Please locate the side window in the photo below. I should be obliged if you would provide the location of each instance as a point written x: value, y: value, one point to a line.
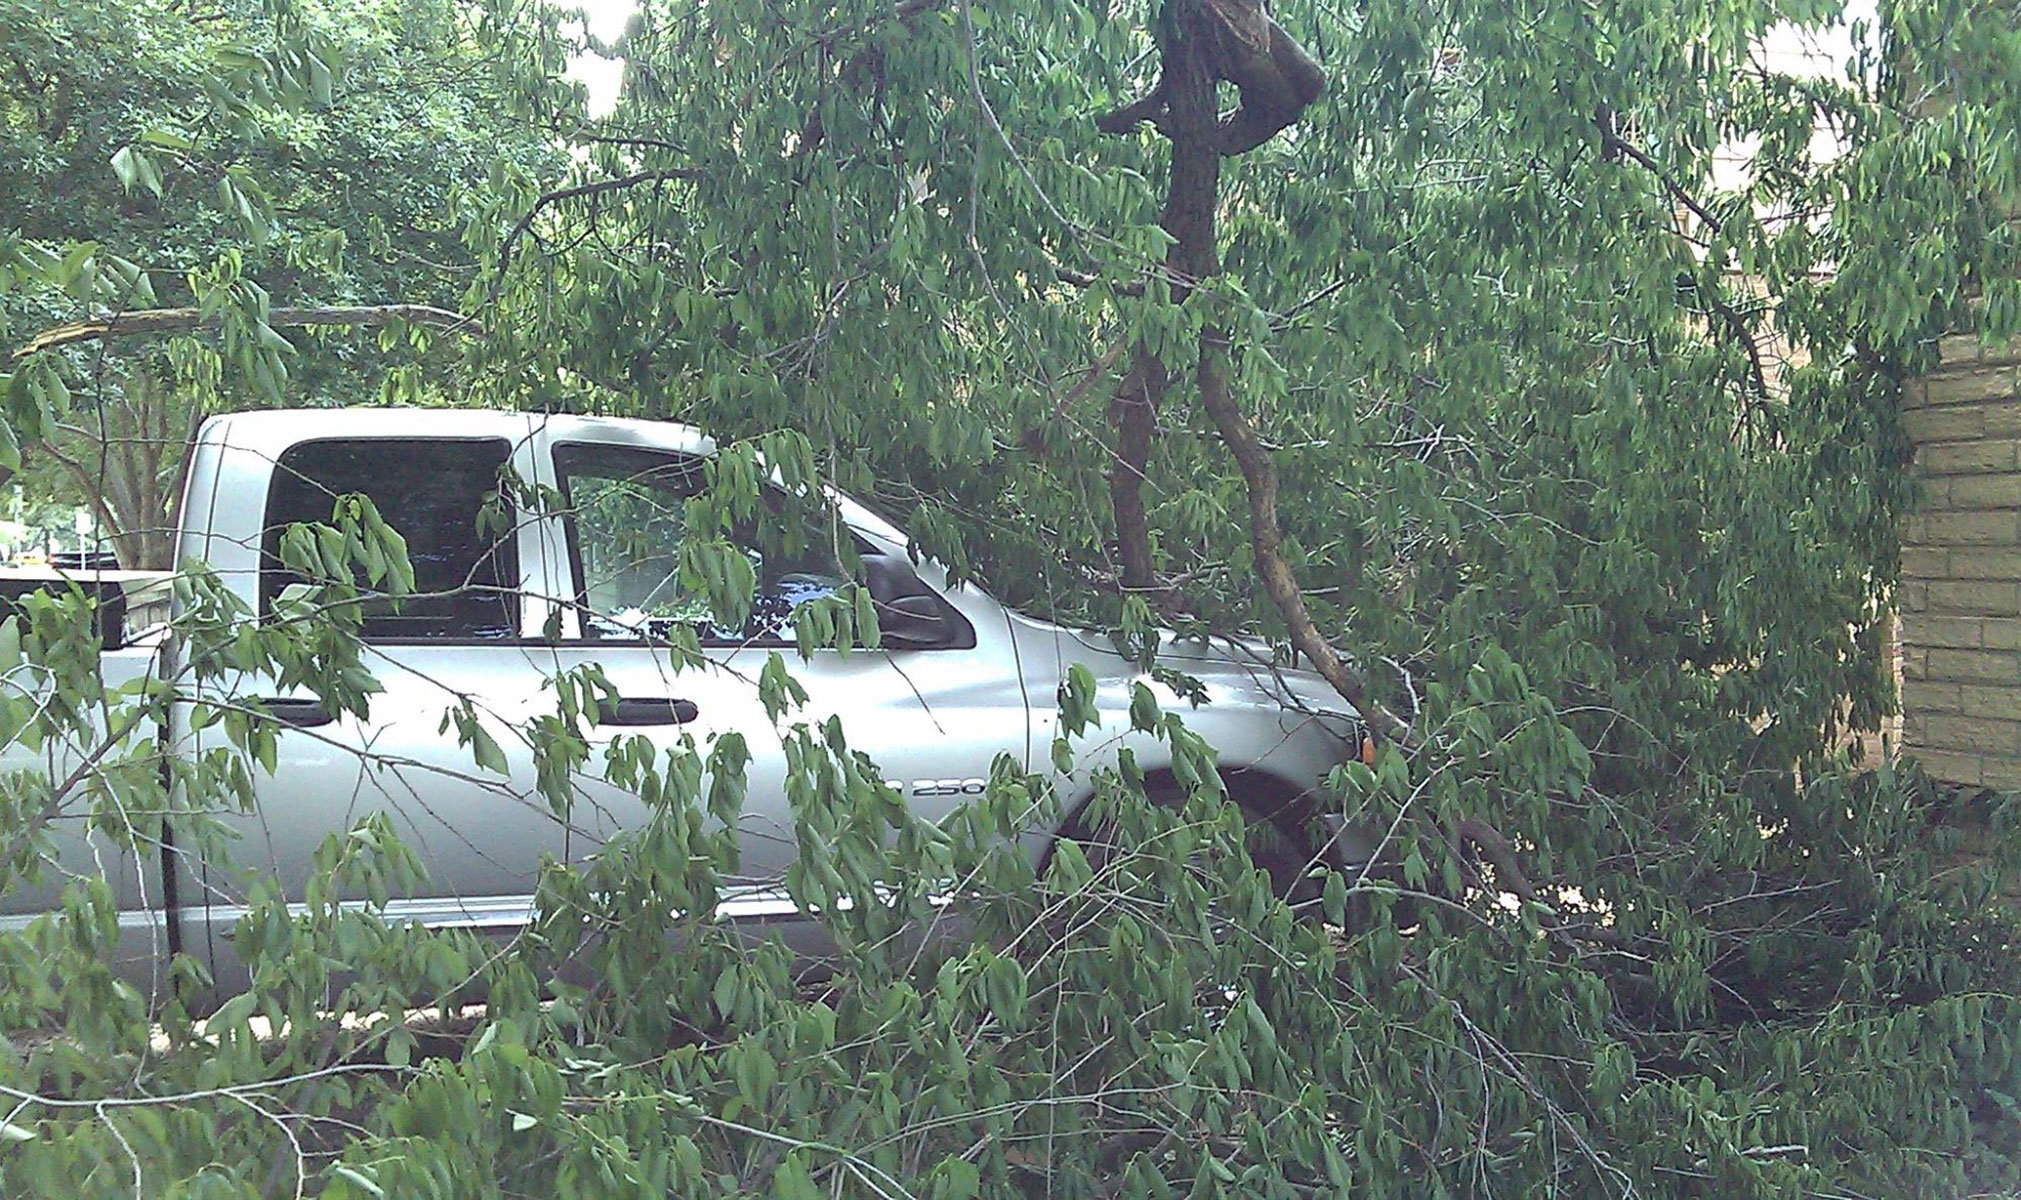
x: 626, y: 523
x: 443, y: 495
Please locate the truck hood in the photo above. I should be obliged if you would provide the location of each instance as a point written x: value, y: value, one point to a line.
x: 1246, y: 668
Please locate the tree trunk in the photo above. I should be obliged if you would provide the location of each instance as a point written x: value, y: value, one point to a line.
x: 1192, y: 124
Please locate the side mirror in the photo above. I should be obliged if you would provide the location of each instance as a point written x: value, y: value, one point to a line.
x: 909, y: 615
x: 911, y: 622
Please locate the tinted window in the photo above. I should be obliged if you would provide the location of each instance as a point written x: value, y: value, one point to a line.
x: 626, y: 523
x: 436, y: 492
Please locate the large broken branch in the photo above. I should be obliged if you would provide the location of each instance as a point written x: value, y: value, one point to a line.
x: 1210, y: 41
x: 1243, y: 44
x: 1206, y: 38
x: 1187, y: 86
x: 154, y: 321
x: 1266, y: 540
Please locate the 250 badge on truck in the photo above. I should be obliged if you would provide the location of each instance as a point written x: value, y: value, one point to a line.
x: 922, y: 788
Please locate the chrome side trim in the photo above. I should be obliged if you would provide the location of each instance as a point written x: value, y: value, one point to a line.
x: 745, y: 903
x: 749, y: 902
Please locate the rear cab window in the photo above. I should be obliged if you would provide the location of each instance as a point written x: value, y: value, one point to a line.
x: 445, y: 496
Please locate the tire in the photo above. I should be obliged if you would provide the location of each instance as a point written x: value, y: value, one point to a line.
x: 1280, y: 836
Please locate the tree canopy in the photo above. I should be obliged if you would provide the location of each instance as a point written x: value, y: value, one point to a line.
x: 241, y: 159
x: 1414, y: 338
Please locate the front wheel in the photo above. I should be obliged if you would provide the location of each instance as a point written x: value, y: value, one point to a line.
x: 1282, y: 834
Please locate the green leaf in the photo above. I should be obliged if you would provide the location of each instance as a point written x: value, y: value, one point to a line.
x: 956, y: 1179
x: 866, y: 619
x: 166, y: 139
x: 485, y: 750
x: 319, y: 79
x: 359, y: 1180
x: 724, y: 994
x: 778, y: 690
x: 793, y: 1181
x: 1143, y: 709
x: 135, y: 170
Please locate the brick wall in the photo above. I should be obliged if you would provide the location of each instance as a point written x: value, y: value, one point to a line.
x: 1960, y: 599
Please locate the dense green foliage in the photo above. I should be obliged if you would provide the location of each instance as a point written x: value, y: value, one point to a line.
x: 246, y: 160
x: 1622, y: 576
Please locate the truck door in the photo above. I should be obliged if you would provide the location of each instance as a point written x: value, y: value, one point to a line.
x: 462, y: 638
x: 79, y: 849
x: 932, y: 713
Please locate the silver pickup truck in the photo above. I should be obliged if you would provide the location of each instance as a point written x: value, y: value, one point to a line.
x: 960, y: 679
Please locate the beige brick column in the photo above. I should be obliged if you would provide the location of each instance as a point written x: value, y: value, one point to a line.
x: 1960, y: 597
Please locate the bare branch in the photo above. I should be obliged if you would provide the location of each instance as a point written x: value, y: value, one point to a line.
x: 579, y: 191
x: 1614, y: 147
x: 1082, y: 279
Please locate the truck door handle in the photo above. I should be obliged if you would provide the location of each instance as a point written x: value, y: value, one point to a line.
x: 298, y: 712
x: 646, y: 710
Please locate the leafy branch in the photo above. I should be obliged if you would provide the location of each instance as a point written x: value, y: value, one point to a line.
x: 156, y: 321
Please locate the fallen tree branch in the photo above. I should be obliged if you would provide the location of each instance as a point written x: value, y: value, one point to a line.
x: 1186, y: 99
x: 153, y: 321
x: 1266, y: 539
x: 1210, y: 35
x: 1489, y: 843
